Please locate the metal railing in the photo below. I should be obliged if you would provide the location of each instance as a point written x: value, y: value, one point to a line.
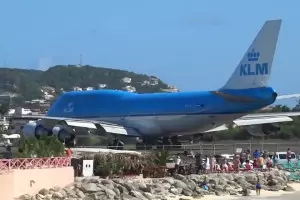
x: 34, y: 163
x: 211, y: 148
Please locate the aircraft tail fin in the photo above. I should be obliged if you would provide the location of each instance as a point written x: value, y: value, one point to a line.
x: 255, y: 67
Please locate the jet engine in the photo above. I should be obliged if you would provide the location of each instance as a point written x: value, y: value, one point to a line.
x: 64, y: 132
x: 34, y: 129
x: 263, y: 129
x: 269, y: 129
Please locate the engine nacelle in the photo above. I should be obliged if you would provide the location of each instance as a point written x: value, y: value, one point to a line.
x: 269, y: 129
x: 29, y: 129
x: 64, y: 133
x: 261, y: 130
x: 35, y: 129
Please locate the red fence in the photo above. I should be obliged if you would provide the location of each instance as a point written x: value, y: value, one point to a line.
x: 34, y: 163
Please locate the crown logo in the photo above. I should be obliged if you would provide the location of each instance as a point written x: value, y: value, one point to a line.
x: 253, y: 56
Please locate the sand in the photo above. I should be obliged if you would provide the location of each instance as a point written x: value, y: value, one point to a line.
x: 267, y: 195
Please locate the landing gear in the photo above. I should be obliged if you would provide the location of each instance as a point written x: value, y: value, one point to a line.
x: 116, y: 144
x: 167, y: 142
x: 210, y: 138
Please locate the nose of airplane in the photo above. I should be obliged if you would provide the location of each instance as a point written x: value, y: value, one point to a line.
x: 274, y: 95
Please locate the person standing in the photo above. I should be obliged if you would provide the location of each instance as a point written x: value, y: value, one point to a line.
x: 177, y: 164
x: 289, y: 155
x: 258, y: 186
x: 69, y: 152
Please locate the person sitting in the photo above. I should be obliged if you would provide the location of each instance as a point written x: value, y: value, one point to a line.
x: 255, y: 164
x: 225, y: 167
x: 230, y: 168
x: 203, y: 184
x: 269, y: 164
x: 248, y: 165
x: 217, y: 168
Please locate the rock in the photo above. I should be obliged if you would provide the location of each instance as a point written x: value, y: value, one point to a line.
x: 44, y: 192
x: 288, y: 188
x: 175, y: 191
x: 187, y: 192
x: 58, y: 195
x: 160, y: 188
x: 90, y: 187
x: 245, y: 192
x: 148, y: 195
x: 180, y: 184
x: 138, y: 195
x: 80, y: 194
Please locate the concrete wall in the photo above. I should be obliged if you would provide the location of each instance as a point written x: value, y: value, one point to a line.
x: 18, y: 182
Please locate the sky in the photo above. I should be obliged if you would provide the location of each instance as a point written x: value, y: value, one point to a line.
x: 192, y: 44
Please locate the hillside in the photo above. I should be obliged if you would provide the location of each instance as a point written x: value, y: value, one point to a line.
x: 34, y: 84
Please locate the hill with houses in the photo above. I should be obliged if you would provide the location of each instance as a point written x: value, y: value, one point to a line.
x: 24, y: 85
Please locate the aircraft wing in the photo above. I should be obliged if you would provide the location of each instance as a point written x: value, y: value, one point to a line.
x: 265, y: 118
x: 288, y: 96
x: 91, y: 124
x: 259, y: 118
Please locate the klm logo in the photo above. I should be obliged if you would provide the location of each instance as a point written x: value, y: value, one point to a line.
x: 254, y: 68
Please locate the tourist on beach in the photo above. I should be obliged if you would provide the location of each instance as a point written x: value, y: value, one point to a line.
x: 256, y: 154
x: 248, y: 154
x: 207, y: 164
x: 177, y: 163
x: 269, y: 163
x: 261, y: 162
x: 258, y: 186
x: 275, y: 159
x: 248, y: 165
x: 289, y: 155
x: 204, y: 184
x: 69, y: 152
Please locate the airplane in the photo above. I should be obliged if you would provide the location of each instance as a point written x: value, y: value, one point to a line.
x: 171, y: 115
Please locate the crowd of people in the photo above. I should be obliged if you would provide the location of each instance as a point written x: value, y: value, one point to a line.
x: 243, y: 161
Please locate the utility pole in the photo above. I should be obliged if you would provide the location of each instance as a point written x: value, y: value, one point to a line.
x: 80, y: 61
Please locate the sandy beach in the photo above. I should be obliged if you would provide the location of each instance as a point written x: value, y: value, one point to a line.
x: 278, y: 195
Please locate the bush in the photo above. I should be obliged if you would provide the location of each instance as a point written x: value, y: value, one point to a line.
x: 118, y: 164
x: 45, y: 147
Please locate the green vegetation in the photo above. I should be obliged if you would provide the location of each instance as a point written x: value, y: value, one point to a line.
x: 118, y: 164
x: 28, y: 83
x: 46, y: 147
x: 161, y: 157
x: 288, y: 130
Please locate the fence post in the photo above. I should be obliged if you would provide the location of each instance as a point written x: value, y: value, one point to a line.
x: 234, y: 148
x: 214, y: 149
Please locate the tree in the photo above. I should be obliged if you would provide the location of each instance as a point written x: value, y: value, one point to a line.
x: 161, y: 157
x: 4, y: 108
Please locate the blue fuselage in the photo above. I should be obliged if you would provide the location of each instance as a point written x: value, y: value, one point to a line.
x: 163, y: 113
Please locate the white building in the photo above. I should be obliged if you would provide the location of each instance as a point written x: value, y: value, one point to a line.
x: 90, y: 88
x: 126, y: 80
x: 101, y: 86
x: 77, y: 88
x: 129, y: 88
